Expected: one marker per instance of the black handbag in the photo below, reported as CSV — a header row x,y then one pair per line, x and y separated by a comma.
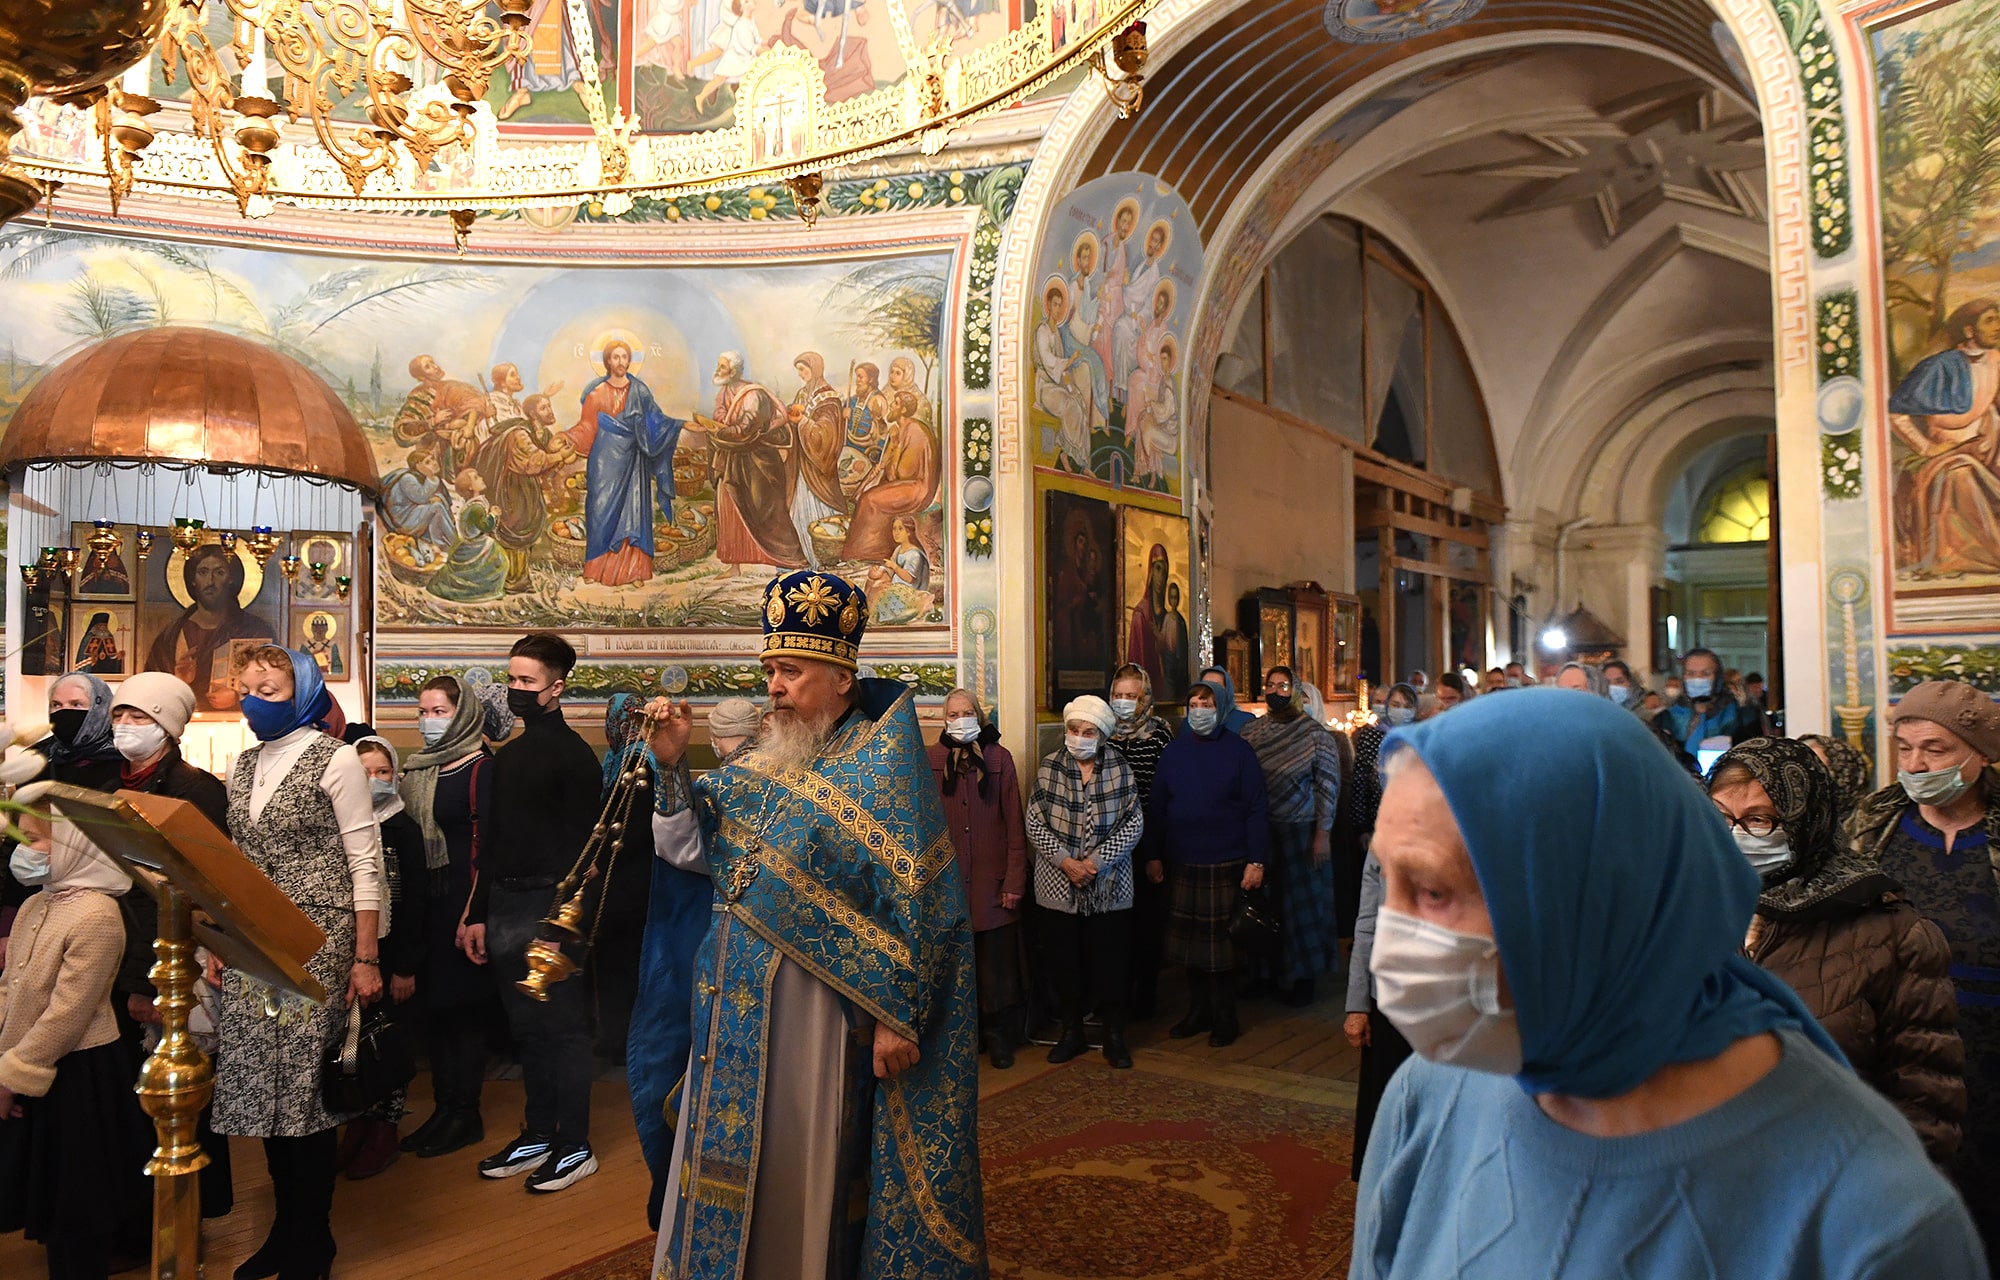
x,y
1253,925
376,1057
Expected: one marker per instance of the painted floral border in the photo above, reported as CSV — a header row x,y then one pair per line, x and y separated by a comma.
x,y
1819,68
1976,665
397,684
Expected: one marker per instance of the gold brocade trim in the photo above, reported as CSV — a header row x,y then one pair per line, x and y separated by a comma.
x,y
915,1168
840,909
912,873
846,990
839,652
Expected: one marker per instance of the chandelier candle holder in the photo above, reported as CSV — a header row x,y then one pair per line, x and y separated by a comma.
x,y
228,539
71,557
290,564
31,575
104,543
142,544
1127,52
188,531
318,570
49,557
263,543
343,586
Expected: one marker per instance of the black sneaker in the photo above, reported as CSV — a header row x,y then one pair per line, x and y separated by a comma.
x,y
571,1163
522,1154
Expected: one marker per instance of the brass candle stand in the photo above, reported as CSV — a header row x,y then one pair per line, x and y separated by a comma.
x,y
177,1083
549,956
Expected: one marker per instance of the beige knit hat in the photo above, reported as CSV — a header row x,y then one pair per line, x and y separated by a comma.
x,y
164,697
735,718
1957,707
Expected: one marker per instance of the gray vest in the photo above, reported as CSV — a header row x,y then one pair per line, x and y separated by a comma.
x,y
296,839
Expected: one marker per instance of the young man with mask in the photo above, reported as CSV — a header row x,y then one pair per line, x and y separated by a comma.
x,y
1935,831
1708,711
546,791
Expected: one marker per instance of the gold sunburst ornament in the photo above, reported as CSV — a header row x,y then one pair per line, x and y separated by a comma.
x,y
814,601
817,615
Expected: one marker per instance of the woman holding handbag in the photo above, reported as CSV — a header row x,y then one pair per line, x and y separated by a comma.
x,y
300,810
1208,814
447,790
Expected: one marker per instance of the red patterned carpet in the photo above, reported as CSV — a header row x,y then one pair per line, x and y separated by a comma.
x,y
1170,1171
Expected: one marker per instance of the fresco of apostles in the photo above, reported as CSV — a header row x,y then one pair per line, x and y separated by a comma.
x,y
507,492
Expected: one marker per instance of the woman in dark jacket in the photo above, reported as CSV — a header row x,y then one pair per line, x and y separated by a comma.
x,y
369,1145
1839,932
148,717
982,807
79,751
447,791
1208,813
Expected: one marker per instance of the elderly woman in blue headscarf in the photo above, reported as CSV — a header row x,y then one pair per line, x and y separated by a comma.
x,y
1233,718
1604,1086
301,809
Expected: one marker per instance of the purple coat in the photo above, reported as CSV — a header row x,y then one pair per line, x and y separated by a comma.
x,y
990,834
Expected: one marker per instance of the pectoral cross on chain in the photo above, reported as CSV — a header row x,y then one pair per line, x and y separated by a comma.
x,y
741,873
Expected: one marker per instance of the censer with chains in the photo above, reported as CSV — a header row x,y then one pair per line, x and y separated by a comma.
x,y
549,958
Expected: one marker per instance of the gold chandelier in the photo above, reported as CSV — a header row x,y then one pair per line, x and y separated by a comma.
x,y
324,108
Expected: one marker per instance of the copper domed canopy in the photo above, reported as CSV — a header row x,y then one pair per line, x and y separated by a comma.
x,y
189,395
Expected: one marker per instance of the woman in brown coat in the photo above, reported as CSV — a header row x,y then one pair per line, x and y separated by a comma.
x,y
1839,931
982,806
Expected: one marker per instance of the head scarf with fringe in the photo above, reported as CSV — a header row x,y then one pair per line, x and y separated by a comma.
x,y
462,738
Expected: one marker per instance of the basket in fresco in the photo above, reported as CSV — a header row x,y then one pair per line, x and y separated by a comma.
x,y
691,537
829,537
566,543
399,550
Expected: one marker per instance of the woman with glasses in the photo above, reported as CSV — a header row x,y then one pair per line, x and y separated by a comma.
x,y
1841,934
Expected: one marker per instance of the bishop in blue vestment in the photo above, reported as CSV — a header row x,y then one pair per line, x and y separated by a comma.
x,y
827,1126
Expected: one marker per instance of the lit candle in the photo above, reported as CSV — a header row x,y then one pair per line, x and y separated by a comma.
x,y
138,76
256,76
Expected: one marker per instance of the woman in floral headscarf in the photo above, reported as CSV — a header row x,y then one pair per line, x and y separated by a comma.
x,y
1853,779
1841,934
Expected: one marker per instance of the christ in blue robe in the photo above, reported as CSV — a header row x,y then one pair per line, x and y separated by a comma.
x,y
630,442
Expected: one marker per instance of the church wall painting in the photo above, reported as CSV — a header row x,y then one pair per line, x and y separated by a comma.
x,y
1154,631
1939,198
1114,287
1079,555
202,612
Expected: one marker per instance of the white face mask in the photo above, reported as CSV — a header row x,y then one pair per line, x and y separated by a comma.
x,y
1124,708
962,728
1399,716
433,727
30,866
138,741
1620,693
382,789
1441,989
1079,746
1700,686
1936,787
1766,853
1514,682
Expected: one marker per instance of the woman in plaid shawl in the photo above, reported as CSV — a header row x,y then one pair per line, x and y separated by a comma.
x,y
1084,821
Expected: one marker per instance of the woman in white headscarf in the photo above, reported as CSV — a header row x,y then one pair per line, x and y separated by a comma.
x,y
73,1140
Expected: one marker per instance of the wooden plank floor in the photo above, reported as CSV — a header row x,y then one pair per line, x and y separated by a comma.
x,y
439,1220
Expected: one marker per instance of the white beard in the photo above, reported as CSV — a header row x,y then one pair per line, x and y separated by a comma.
x,y
787,743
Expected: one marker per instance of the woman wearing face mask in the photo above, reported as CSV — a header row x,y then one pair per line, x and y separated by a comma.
x,y
1621,688
1141,736
1841,934
1213,829
1399,709
982,808
447,792
369,1145
1302,782
1582,677
1234,718
79,751
1607,1087
73,1140
1084,821
301,809
148,716
1936,829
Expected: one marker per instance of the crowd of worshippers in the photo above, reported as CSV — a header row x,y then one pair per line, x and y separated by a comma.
x,y
1236,848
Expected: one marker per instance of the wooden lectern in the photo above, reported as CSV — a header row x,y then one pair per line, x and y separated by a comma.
x,y
245,920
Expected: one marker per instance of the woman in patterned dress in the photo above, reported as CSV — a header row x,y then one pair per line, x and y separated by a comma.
x,y
300,809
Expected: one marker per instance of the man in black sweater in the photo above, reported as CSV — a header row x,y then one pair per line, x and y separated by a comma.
x,y
546,786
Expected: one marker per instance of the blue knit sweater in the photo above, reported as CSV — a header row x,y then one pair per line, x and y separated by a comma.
x,y
1208,803
1807,1173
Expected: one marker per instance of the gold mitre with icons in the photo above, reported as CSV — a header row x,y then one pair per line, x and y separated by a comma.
x,y
812,614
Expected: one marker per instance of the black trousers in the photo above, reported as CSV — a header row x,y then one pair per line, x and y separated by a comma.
x,y
302,1190
455,1039
551,1037
1386,1051
1149,934
1089,959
